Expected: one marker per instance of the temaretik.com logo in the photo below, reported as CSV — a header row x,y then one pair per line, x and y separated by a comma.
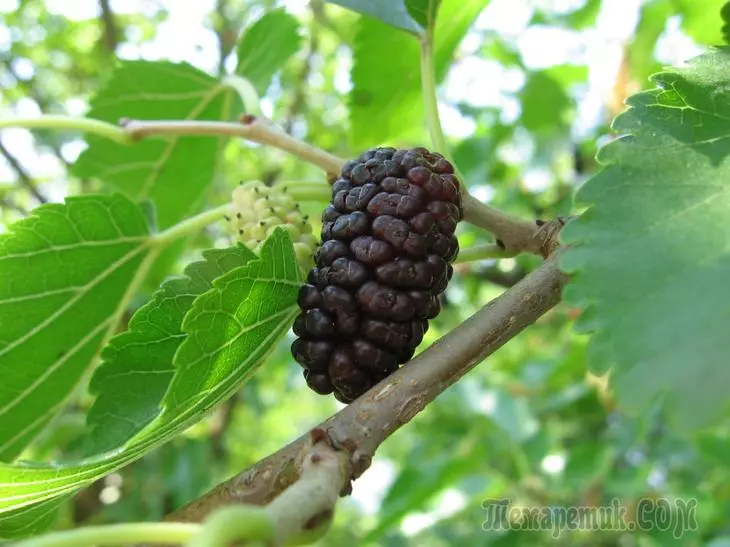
x,y
660,514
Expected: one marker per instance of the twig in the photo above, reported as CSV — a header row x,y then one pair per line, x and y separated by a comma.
x,y
512,233
363,425
300,91
220,428
259,130
482,252
497,277
10,204
115,534
23,176
308,505
320,15
111,39
515,234
31,88
226,31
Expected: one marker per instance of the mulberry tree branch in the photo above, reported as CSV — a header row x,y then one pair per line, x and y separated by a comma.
x,y
109,23
363,425
258,129
23,176
513,234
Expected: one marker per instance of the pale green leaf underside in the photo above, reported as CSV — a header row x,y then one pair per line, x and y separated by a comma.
x,y
386,105
390,12
64,272
250,307
652,254
266,46
173,171
138,363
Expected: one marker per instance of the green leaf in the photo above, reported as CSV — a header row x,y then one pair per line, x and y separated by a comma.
x,y
544,103
423,11
385,101
233,326
65,272
514,416
138,363
230,329
584,16
640,52
174,171
414,487
651,256
702,21
390,12
266,46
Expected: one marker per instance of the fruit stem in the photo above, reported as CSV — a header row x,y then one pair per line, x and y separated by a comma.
x,y
246,91
483,252
514,232
307,191
172,533
232,524
430,99
191,224
58,122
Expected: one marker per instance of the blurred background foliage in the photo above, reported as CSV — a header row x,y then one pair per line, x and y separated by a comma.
x,y
526,101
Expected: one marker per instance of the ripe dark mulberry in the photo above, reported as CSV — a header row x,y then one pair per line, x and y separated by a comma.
x,y
387,246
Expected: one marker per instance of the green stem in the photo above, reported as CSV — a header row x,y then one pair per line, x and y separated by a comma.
x,y
428,89
88,125
116,534
483,252
308,191
247,92
234,523
428,86
192,224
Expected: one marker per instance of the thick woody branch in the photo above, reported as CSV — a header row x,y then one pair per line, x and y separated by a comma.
x,y
363,425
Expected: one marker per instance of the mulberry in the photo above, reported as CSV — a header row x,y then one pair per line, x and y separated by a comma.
x,y
257,209
387,246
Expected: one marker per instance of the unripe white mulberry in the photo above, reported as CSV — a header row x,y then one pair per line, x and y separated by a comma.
x,y
257,209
